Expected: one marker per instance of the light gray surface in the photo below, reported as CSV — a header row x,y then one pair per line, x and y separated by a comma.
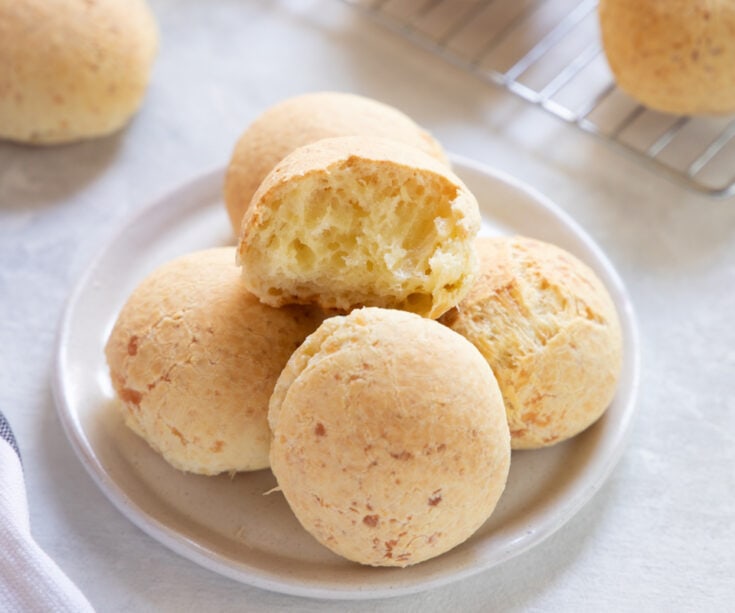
x,y
659,536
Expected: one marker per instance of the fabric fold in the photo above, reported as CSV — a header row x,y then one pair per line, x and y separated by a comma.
x,y
30,581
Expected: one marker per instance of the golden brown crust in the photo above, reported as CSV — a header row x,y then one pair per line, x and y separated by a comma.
x,y
356,221
72,69
675,56
550,332
390,441
305,119
194,358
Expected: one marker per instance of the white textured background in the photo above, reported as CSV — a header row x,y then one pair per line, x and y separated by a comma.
x,y
659,536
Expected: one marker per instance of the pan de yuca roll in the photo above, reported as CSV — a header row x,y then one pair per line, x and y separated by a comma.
x,y
72,69
550,332
390,441
194,357
305,119
676,56
356,221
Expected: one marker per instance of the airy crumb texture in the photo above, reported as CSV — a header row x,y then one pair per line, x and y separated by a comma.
x,y
550,332
390,441
194,358
676,56
72,69
350,222
305,119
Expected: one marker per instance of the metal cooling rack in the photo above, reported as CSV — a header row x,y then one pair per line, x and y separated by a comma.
x,y
549,53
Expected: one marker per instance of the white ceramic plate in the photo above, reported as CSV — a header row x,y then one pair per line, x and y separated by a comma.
x,y
228,525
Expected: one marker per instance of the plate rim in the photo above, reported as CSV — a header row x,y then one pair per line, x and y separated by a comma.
x,y
193,551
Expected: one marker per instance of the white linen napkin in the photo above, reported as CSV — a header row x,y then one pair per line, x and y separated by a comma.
x,y
30,581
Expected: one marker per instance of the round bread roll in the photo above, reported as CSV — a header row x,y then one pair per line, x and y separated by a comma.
x,y
357,221
675,56
194,358
303,120
550,332
72,69
390,441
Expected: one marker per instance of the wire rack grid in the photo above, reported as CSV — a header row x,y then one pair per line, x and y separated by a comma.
x,y
549,53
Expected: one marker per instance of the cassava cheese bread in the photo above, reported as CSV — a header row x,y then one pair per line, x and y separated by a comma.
x,y
676,56
390,441
72,69
305,119
194,358
357,221
550,332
